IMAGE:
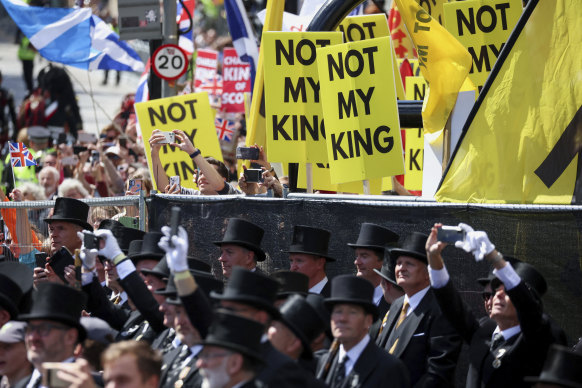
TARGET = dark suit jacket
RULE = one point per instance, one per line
(192, 379)
(374, 368)
(383, 308)
(326, 290)
(523, 354)
(427, 343)
(143, 300)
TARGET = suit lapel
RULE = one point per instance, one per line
(390, 322)
(410, 324)
(363, 367)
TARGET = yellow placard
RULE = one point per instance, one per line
(321, 181)
(414, 141)
(295, 126)
(190, 113)
(359, 105)
(482, 26)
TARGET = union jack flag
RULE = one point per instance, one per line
(20, 156)
(224, 129)
(211, 85)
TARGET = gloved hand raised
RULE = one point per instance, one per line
(176, 255)
(88, 256)
(111, 249)
(475, 242)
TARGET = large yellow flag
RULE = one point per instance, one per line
(523, 138)
(444, 63)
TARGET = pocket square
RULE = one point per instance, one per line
(418, 335)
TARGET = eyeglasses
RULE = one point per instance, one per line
(44, 329)
(209, 356)
(486, 295)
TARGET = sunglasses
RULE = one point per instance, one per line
(486, 295)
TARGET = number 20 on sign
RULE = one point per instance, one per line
(170, 62)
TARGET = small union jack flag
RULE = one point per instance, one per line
(20, 156)
(211, 85)
(224, 129)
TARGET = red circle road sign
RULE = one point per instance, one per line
(169, 62)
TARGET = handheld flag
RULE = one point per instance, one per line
(184, 21)
(20, 156)
(73, 37)
(224, 129)
(522, 141)
(444, 63)
(143, 93)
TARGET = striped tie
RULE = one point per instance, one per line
(383, 323)
(401, 319)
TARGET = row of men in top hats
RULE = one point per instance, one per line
(413, 331)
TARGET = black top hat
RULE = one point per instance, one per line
(204, 280)
(71, 210)
(47, 303)
(170, 291)
(15, 282)
(310, 240)
(374, 236)
(388, 268)
(150, 249)
(122, 234)
(160, 270)
(413, 246)
(244, 233)
(485, 281)
(562, 368)
(236, 333)
(529, 275)
(302, 319)
(251, 288)
(134, 248)
(353, 290)
(291, 283)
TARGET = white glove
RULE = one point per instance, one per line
(176, 255)
(111, 249)
(88, 256)
(475, 242)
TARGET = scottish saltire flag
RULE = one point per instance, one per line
(143, 93)
(185, 41)
(20, 156)
(224, 129)
(73, 37)
(243, 37)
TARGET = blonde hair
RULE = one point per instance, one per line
(72, 183)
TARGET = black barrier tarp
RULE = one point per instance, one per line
(549, 239)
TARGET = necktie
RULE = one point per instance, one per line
(117, 299)
(497, 341)
(383, 323)
(401, 319)
(177, 364)
(340, 373)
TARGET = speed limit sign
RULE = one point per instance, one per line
(170, 62)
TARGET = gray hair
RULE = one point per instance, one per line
(53, 171)
(71, 183)
(33, 189)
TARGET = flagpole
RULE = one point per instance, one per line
(12, 169)
(309, 178)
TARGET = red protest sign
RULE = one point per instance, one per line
(206, 64)
(236, 80)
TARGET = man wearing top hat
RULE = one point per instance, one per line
(240, 246)
(231, 354)
(514, 342)
(69, 217)
(354, 360)
(369, 251)
(416, 330)
(308, 255)
(15, 289)
(54, 328)
(390, 289)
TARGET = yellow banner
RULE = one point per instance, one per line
(359, 106)
(322, 181)
(414, 140)
(482, 26)
(295, 125)
(190, 113)
(523, 142)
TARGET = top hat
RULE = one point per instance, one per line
(47, 303)
(170, 291)
(98, 330)
(236, 333)
(15, 283)
(291, 283)
(134, 248)
(562, 368)
(413, 246)
(160, 270)
(485, 281)
(529, 275)
(251, 288)
(122, 234)
(244, 233)
(70, 210)
(352, 290)
(374, 236)
(310, 240)
(388, 269)
(302, 319)
(204, 280)
(150, 250)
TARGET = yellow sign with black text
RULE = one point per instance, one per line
(482, 26)
(321, 181)
(190, 113)
(359, 106)
(295, 125)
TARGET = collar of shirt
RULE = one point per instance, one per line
(316, 289)
(176, 342)
(378, 295)
(264, 338)
(507, 333)
(194, 350)
(33, 378)
(353, 354)
(415, 299)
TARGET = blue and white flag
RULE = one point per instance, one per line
(243, 37)
(73, 37)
